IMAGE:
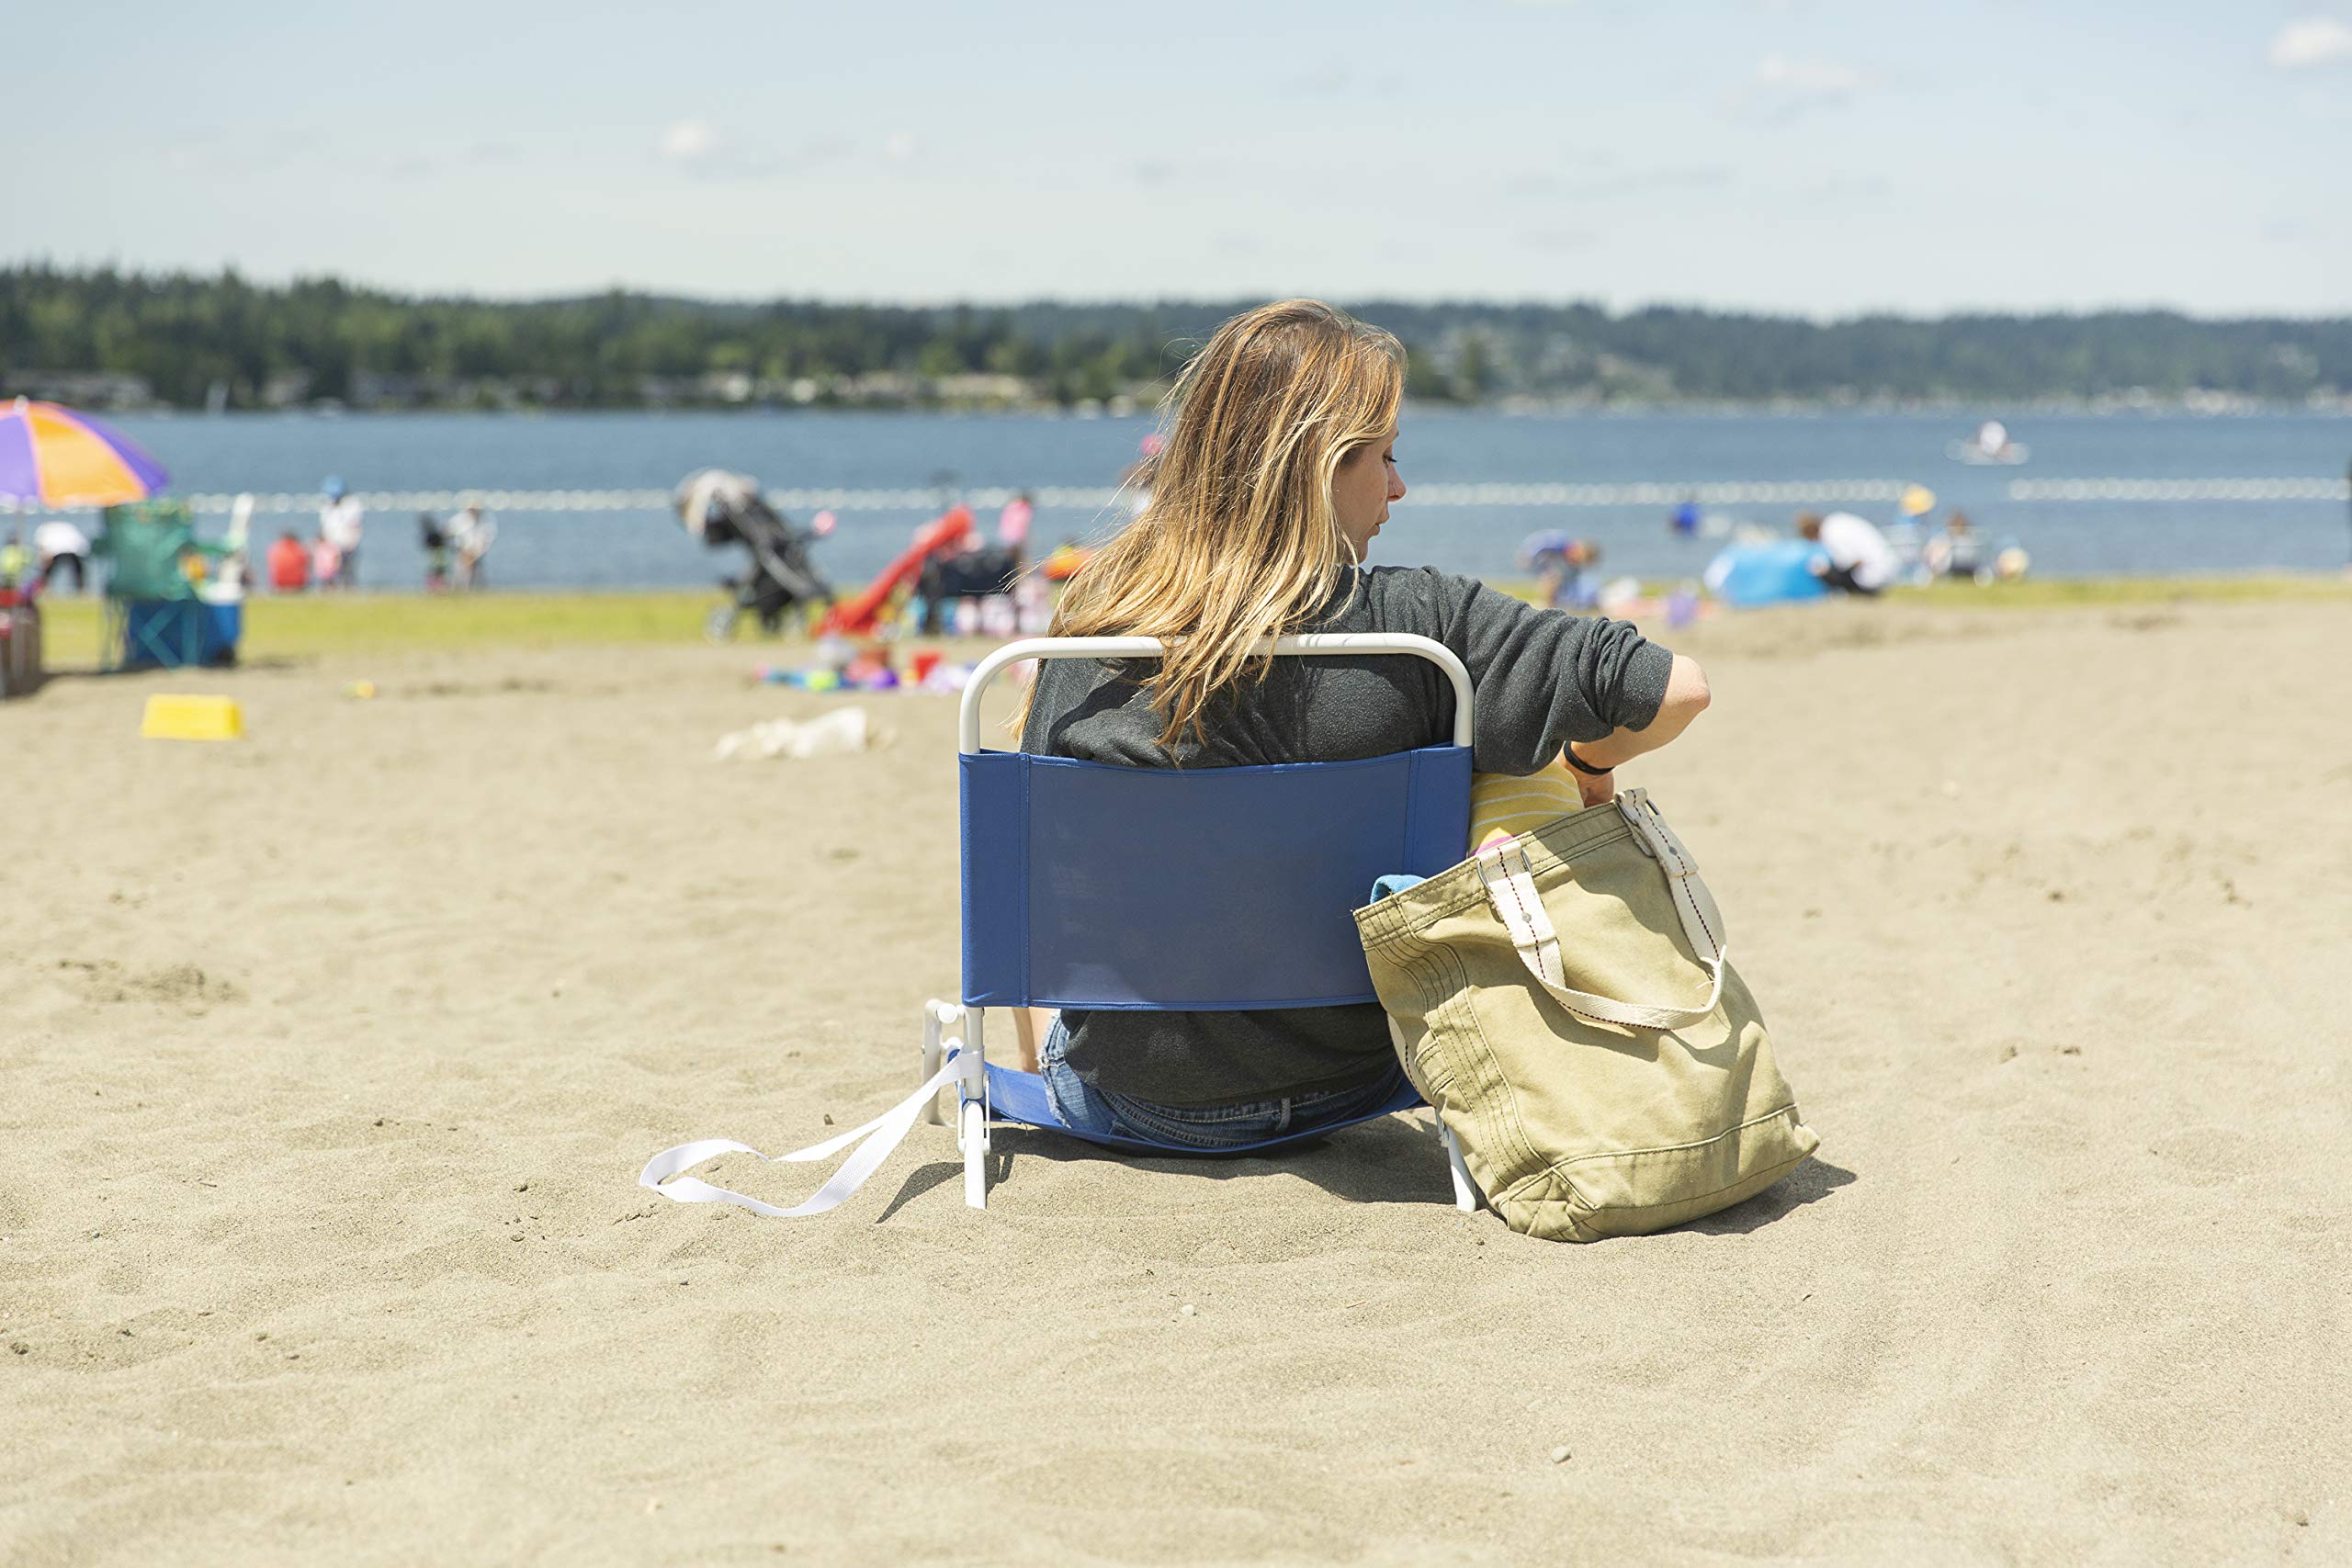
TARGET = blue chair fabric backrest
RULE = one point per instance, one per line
(1091, 885)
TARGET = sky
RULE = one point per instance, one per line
(1818, 157)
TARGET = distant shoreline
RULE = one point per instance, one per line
(200, 341)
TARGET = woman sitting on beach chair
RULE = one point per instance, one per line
(1278, 471)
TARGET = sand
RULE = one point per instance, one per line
(328, 1060)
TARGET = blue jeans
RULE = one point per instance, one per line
(1085, 1109)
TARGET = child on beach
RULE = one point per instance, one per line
(327, 563)
(288, 564)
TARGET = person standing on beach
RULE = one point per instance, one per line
(62, 547)
(435, 539)
(15, 560)
(1012, 528)
(471, 533)
(341, 524)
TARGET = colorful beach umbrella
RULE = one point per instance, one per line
(53, 456)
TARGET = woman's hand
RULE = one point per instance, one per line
(1594, 788)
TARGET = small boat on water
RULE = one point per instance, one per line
(1990, 445)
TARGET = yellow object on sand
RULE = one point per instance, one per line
(192, 718)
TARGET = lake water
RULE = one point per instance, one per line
(1445, 453)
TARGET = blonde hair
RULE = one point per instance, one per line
(1239, 540)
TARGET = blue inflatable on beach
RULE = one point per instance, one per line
(1744, 576)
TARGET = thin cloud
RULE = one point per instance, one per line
(1847, 191)
(1644, 182)
(2312, 41)
(1808, 78)
(703, 151)
(1604, 184)
(690, 141)
(1558, 239)
(1329, 83)
(1785, 87)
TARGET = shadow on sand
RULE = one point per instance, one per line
(1395, 1160)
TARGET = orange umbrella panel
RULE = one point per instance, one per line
(52, 455)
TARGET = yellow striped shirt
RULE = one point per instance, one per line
(1503, 804)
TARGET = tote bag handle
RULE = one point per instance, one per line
(1509, 882)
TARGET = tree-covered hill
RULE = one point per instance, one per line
(110, 337)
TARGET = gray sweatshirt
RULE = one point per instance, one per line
(1542, 678)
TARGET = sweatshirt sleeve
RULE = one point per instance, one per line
(1543, 677)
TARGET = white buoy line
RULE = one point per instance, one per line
(2180, 490)
(1742, 492)
(1087, 498)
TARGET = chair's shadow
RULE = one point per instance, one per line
(1397, 1159)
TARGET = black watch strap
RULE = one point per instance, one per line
(1568, 755)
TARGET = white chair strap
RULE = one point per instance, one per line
(1509, 882)
(875, 1140)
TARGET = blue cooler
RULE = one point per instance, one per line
(169, 633)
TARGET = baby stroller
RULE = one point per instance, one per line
(721, 509)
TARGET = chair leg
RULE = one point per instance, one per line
(937, 1014)
(972, 1123)
(1466, 1191)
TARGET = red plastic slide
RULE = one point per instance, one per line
(856, 616)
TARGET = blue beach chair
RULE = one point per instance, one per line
(1097, 886)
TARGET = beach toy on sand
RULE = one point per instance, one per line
(857, 614)
(191, 719)
(362, 690)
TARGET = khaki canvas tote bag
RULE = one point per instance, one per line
(1564, 1001)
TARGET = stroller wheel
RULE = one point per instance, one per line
(720, 626)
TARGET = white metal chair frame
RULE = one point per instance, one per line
(950, 1027)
